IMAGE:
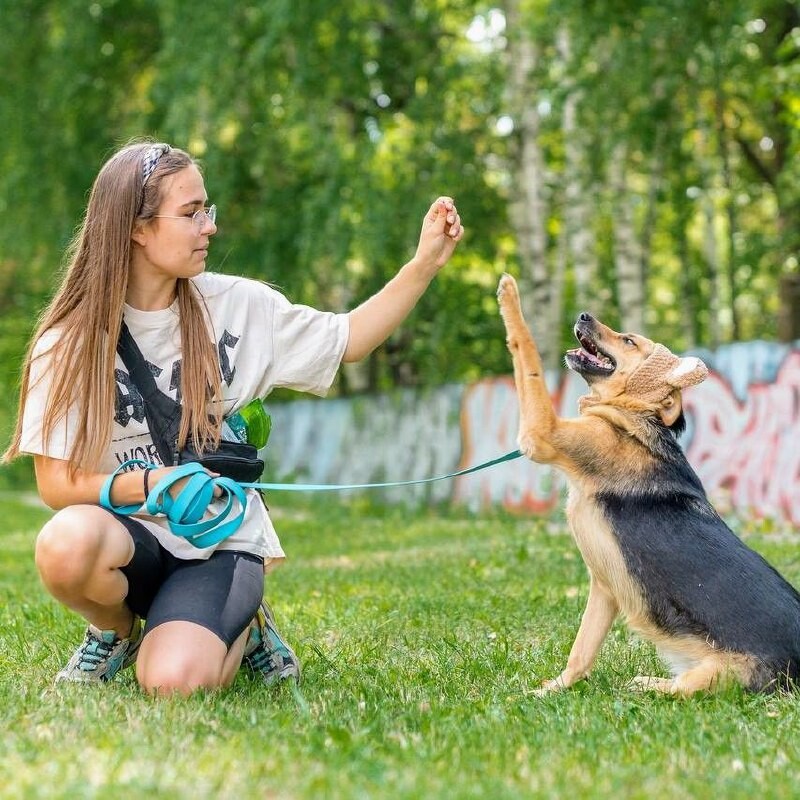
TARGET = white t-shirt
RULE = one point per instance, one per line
(263, 342)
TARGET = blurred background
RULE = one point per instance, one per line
(638, 160)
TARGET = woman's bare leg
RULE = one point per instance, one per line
(183, 656)
(79, 553)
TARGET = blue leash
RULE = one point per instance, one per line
(185, 513)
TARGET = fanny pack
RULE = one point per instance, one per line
(236, 460)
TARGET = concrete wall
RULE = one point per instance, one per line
(743, 437)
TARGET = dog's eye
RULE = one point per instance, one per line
(628, 341)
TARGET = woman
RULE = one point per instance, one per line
(213, 343)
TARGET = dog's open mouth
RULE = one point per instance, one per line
(589, 357)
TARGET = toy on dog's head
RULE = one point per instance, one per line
(662, 372)
(631, 373)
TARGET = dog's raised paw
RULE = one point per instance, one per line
(507, 291)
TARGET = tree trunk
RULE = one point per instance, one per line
(712, 266)
(627, 250)
(723, 144)
(789, 314)
(684, 214)
(581, 247)
(528, 207)
(656, 175)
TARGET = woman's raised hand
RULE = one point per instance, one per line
(441, 232)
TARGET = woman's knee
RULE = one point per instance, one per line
(69, 545)
(182, 657)
(178, 675)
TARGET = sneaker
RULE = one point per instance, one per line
(102, 655)
(266, 653)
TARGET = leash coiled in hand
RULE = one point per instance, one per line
(185, 512)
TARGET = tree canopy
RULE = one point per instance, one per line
(636, 159)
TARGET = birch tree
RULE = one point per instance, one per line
(528, 207)
(627, 248)
(581, 247)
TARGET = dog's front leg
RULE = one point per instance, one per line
(537, 417)
(601, 610)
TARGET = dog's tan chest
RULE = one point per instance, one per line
(600, 550)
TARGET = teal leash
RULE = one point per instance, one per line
(329, 487)
(185, 513)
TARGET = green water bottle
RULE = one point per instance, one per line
(250, 424)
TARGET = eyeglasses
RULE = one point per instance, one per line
(198, 218)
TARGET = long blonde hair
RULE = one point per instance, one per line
(88, 309)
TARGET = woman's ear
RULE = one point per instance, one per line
(671, 407)
(139, 236)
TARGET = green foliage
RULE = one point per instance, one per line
(326, 130)
(687, 85)
(422, 637)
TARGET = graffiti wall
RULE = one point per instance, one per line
(746, 437)
(743, 438)
(393, 437)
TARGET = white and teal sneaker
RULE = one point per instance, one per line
(266, 653)
(102, 655)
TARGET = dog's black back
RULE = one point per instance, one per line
(696, 575)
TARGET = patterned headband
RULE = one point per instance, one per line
(151, 160)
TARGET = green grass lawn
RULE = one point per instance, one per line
(422, 635)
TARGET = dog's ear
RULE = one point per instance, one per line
(670, 408)
(689, 371)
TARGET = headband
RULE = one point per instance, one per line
(151, 158)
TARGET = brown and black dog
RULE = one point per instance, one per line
(656, 550)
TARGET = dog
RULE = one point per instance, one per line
(656, 550)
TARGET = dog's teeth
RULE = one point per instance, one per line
(597, 358)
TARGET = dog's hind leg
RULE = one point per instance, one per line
(537, 416)
(709, 674)
(601, 610)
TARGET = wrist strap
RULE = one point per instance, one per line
(105, 489)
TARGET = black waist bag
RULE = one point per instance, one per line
(235, 460)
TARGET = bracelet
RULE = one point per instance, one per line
(105, 489)
(147, 471)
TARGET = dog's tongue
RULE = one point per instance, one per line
(583, 353)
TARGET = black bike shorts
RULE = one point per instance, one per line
(220, 593)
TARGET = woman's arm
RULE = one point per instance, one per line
(58, 490)
(375, 320)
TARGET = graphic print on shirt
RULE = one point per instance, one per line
(227, 341)
(129, 404)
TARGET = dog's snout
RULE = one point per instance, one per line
(585, 316)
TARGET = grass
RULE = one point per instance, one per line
(422, 635)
